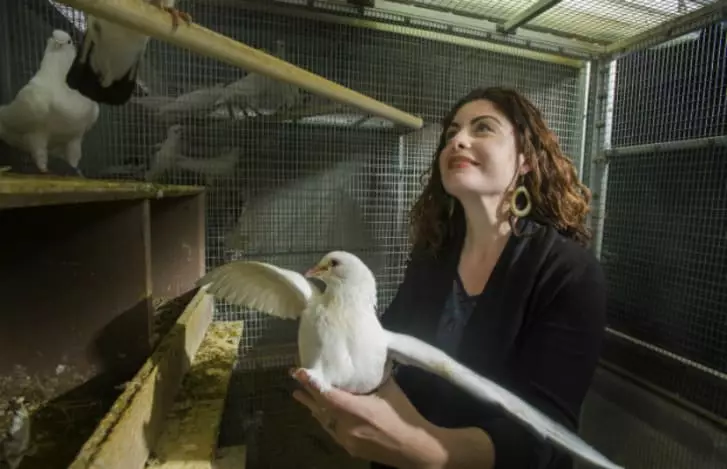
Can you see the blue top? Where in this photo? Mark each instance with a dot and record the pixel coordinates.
(535, 329)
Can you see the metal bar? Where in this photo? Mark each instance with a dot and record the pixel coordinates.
(146, 19)
(697, 366)
(663, 393)
(426, 24)
(669, 30)
(600, 138)
(584, 81)
(674, 145)
(457, 23)
(536, 9)
(444, 8)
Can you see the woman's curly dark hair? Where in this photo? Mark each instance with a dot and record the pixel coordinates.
(558, 197)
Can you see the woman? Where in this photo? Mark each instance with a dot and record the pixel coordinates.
(500, 278)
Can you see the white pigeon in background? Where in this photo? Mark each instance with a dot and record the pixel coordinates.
(110, 55)
(211, 169)
(259, 93)
(46, 114)
(164, 159)
(342, 344)
(15, 442)
(201, 101)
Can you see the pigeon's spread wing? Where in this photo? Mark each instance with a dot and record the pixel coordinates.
(411, 351)
(263, 287)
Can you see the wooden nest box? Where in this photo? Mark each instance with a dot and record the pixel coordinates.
(100, 320)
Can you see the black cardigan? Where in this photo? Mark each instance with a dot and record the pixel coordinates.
(536, 329)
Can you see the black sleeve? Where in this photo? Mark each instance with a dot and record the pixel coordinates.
(559, 354)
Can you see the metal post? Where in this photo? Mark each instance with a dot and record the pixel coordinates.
(601, 140)
(584, 97)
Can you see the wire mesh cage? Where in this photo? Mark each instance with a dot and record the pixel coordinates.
(663, 240)
(291, 176)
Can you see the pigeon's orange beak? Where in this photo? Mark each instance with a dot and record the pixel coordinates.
(315, 271)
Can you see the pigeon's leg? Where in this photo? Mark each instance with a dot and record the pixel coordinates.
(39, 151)
(316, 378)
(74, 154)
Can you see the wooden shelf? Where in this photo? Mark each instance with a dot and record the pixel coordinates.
(83, 265)
(21, 190)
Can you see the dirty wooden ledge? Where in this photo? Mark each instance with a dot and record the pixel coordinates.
(123, 438)
(26, 190)
(189, 438)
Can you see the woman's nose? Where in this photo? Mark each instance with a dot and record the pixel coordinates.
(461, 140)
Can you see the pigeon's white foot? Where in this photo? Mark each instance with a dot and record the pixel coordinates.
(315, 377)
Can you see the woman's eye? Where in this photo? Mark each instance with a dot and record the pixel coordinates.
(482, 127)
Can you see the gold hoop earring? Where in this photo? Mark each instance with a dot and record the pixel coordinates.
(520, 212)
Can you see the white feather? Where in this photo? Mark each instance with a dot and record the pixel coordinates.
(263, 287)
(411, 351)
(116, 49)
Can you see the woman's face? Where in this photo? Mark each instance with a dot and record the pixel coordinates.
(480, 157)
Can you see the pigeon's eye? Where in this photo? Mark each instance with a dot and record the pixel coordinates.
(334, 263)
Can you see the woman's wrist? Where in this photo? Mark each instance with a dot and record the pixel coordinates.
(424, 448)
(458, 448)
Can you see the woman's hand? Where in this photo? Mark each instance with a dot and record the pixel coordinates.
(383, 427)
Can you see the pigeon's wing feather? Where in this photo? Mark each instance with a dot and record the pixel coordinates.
(260, 286)
(29, 110)
(112, 79)
(412, 351)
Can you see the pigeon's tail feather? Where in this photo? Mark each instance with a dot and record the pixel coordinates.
(83, 78)
(411, 351)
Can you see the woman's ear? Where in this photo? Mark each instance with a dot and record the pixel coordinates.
(524, 166)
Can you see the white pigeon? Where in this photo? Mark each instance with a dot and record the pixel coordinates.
(165, 158)
(110, 55)
(201, 101)
(342, 344)
(46, 114)
(211, 169)
(15, 443)
(259, 93)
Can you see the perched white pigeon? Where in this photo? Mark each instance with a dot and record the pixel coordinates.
(210, 168)
(201, 101)
(165, 158)
(342, 344)
(259, 93)
(46, 114)
(15, 442)
(110, 55)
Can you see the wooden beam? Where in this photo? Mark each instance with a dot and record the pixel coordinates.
(189, 439)
(123, 439)
(144, 18)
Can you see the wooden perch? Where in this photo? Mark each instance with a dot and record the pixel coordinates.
(189, 438)
(152, 21)
(124, 437)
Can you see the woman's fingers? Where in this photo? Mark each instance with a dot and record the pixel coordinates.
(304, 398)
